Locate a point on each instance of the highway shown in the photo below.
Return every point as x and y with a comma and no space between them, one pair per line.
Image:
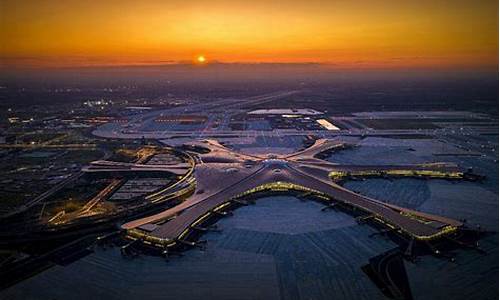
103,194
42,197
56,188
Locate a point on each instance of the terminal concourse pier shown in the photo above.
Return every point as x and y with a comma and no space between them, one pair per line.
223,179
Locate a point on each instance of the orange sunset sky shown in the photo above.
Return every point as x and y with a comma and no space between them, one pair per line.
351,34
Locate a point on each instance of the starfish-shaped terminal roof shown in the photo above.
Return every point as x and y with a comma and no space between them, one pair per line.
223,175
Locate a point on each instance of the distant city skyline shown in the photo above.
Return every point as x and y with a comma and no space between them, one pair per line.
345,34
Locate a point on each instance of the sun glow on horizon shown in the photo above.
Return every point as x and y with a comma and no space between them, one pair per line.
201,59
353,34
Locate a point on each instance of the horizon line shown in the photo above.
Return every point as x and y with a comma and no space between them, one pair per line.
326,65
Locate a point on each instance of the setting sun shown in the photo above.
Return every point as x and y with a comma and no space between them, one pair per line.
201,59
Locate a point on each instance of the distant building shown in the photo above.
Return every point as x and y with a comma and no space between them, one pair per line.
286,111
184,119
7,139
